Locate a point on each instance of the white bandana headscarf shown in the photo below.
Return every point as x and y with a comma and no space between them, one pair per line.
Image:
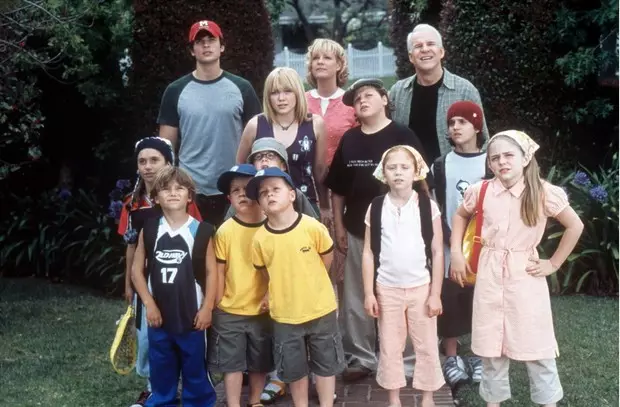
421,167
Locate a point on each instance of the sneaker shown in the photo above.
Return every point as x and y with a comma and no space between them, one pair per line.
141,402
454,371
474,368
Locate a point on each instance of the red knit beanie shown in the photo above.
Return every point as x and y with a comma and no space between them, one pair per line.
469,111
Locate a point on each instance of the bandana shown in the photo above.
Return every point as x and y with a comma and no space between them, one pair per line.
524,141
422,168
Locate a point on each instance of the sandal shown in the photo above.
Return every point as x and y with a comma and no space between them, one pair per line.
273,391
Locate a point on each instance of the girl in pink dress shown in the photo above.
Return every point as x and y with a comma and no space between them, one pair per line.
512,311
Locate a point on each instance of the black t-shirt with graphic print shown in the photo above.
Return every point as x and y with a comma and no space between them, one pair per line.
355,160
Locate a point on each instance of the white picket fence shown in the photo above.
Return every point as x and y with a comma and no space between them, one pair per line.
377,62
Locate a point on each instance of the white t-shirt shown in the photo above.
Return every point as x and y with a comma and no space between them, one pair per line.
403,258
461,170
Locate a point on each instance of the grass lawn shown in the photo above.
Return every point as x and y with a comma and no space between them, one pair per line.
587,332
55,339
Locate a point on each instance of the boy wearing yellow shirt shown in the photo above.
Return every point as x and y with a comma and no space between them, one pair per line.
294,251
241,333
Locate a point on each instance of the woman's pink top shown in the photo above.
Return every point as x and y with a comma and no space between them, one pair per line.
512,309
338,118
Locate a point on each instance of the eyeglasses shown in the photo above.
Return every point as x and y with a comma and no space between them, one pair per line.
270,155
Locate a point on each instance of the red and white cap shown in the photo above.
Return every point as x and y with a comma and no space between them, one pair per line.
206,25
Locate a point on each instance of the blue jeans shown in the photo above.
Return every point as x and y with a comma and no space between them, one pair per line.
174,354
142,359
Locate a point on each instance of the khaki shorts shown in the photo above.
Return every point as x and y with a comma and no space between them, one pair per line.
314,346
240,342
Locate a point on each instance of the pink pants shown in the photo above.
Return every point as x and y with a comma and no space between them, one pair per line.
403,310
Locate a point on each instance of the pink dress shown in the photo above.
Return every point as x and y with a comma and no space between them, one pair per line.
512,310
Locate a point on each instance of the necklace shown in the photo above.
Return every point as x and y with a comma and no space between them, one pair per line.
285,128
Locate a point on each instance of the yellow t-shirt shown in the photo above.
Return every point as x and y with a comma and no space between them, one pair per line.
299,287
244,287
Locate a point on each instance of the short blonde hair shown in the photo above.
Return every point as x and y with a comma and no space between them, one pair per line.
169,174
327,46
280,79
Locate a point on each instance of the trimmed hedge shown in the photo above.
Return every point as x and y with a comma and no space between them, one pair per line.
509,50
160,53
505,50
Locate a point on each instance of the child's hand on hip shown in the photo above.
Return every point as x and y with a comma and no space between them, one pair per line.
540,267
371,306
434,306
203,319
153,316
459,267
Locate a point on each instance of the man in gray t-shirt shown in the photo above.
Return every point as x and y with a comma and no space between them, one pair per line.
203,114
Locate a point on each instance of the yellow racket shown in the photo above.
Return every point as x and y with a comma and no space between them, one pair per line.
123,350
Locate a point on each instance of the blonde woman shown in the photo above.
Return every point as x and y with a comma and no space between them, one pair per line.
327,73
286,118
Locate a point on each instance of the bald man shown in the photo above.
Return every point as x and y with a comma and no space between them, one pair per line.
422,100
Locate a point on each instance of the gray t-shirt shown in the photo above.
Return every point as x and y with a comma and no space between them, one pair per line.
210,116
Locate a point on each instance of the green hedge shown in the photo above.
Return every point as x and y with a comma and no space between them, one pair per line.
505,50
160,53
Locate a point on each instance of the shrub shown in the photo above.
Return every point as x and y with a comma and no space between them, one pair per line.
160,53
516,55
61,236
593,266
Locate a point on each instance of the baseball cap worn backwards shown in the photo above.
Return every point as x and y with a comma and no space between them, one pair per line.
205,25
241,170
251,190
349,96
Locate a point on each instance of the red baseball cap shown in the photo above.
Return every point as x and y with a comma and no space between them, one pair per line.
206,25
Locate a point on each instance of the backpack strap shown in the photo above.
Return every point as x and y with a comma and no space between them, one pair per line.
439,173
376,207
149,234
426,223
199,253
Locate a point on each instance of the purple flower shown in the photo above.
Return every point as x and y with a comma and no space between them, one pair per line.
131,236
582,179
115,208
64,194
122,184
599,193
115,195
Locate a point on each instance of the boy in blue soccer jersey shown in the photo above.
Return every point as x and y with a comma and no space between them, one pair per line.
178,290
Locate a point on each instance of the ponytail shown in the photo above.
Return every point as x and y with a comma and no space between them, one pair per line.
532,194
138,191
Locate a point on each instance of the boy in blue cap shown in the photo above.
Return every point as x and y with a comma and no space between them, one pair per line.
241,338
294,251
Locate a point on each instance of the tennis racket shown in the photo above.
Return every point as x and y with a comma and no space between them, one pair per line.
123,350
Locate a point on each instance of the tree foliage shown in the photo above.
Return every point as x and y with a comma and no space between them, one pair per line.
74,43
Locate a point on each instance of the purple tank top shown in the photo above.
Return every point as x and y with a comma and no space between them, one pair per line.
300,155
